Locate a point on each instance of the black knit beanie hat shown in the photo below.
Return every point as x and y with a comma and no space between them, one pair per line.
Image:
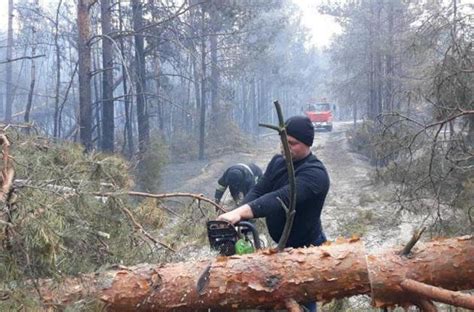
301,128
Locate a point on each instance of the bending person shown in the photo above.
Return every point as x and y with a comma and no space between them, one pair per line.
239,178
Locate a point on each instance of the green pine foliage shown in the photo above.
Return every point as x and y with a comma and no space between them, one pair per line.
60,226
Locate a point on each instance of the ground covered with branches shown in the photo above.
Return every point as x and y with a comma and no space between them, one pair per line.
54,224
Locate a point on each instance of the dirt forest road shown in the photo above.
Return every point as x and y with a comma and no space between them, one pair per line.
354,205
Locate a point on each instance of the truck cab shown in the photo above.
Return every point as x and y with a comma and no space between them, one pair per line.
320,114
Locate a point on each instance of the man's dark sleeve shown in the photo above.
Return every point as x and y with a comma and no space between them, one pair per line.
263,185
308,184
220,189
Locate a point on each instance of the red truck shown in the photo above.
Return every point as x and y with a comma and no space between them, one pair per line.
321,114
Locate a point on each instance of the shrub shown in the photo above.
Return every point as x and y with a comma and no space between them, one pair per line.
183,146
151,163
228,139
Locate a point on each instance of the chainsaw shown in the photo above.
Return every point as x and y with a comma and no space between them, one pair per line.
231,239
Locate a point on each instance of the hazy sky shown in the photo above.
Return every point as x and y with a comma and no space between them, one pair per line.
322,26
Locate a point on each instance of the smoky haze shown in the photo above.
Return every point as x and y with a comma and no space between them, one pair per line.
102,98
117,75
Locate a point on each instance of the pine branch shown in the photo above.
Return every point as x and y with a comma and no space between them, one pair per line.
454,298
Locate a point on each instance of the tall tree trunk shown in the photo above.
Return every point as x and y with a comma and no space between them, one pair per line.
108,126
197,88
455,22
194,52
215,77
380,105
31,91
354,112
202,122
61,107
261,111
9,77
189,124
96,101
159,102
268,280
84,51
142,111
470,131
158,72
246,107
73,126
389,63
371,113
57,50
128,132
254,104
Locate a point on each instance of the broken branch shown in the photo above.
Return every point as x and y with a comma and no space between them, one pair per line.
200,197
140,228
414,239
439,294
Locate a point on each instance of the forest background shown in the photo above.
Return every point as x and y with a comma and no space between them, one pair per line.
100,95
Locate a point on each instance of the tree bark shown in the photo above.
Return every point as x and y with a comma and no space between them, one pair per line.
96,99
108,125
389,59
84,51
273,280
57,50
254,105
379,75
157,73
9,77
128,132
202,121
371,107
197,89
442,263
215,73
142,110
29,102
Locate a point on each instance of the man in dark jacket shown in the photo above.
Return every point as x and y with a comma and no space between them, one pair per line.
239,178
312,185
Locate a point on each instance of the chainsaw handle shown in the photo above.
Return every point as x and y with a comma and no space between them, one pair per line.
253,229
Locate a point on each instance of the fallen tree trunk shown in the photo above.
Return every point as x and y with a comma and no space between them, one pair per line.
274,280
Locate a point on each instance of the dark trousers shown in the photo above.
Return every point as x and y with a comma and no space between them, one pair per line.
311,307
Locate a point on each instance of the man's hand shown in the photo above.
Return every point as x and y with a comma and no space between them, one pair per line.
242,213
232,216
